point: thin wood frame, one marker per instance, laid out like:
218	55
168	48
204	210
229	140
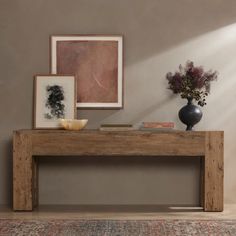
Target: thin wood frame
35	126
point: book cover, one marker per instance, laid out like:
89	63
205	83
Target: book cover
158	129
158	124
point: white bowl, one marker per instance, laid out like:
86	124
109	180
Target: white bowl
73	124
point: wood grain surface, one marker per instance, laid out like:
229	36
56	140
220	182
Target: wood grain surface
30	143
121	143
214	171
22	171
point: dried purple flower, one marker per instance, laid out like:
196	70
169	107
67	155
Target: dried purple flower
191	82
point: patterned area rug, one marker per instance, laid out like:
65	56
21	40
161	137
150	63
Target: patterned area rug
117	227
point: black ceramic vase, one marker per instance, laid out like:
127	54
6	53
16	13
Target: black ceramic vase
190	114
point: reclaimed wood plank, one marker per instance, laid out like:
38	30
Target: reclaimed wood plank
22	172
118	143
214	171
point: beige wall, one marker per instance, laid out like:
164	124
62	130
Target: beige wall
159	34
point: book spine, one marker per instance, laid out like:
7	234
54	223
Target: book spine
116	125
116	128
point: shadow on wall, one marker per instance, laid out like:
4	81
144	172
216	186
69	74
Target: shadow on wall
158	36
6	171
119	180
149	27
149	110
159	29
147	99
146	96
154	32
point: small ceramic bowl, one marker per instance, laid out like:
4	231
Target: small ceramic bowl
73	124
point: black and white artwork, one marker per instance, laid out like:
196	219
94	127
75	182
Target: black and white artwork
54	100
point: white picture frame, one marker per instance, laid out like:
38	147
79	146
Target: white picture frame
90	94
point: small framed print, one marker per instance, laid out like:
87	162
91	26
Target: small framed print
96	62
54	99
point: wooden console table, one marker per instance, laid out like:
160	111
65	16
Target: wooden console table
30	143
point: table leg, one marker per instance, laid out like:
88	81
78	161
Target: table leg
213	172
22	172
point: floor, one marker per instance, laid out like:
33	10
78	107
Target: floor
118	212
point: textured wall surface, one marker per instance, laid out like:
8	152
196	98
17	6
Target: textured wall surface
159	35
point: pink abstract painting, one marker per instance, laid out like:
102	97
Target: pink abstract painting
95	66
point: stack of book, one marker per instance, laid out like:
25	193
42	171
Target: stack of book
116	127
157	126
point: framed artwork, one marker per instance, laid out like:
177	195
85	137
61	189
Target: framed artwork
96	62
54	99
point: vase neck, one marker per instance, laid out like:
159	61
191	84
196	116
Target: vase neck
190	100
